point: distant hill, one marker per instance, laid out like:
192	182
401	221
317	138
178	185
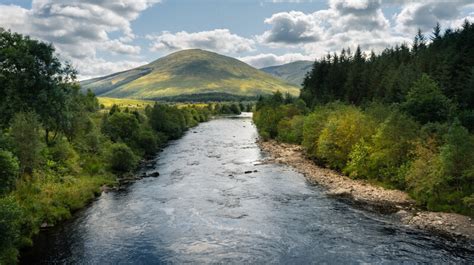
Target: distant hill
293	73
189	74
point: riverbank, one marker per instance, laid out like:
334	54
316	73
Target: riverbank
368	196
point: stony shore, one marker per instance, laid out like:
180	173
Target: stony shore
368	196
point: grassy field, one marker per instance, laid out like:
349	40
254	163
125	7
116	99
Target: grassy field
124	102
139	104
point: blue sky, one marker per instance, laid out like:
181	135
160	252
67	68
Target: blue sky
103	36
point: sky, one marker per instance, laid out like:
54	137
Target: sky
100	37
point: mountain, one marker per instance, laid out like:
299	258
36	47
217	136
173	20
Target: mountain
293	73
189	74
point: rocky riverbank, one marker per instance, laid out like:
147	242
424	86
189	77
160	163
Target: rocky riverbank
368	196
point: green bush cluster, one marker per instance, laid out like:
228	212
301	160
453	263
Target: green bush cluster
383	144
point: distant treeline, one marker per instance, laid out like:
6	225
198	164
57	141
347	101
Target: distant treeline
401	119
57	147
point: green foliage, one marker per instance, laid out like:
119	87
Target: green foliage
33	79
121	126
344	128
9	169
148	141
312	127
266	120
10	225
168	120
25	133
426	102
382	156
121	158
63	157
291	130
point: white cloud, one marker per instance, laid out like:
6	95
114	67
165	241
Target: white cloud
425	15
218	40
348	23
291	27
270	59
79	29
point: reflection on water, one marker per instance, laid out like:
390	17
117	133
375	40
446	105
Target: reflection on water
204	209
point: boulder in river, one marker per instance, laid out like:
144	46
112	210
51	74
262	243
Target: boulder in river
154	174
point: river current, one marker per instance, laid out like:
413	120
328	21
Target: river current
204	208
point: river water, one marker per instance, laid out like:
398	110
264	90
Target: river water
204	209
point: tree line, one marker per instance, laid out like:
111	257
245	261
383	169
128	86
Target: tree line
401	119
58	147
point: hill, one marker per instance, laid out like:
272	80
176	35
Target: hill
189	74
293	73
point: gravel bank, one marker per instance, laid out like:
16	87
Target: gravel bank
369	196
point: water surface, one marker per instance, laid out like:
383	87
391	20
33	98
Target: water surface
204	209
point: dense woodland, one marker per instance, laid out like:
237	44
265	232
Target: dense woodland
402	119
58	146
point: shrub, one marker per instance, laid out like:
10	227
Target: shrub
442	178
147	141
291	130
121	126
312	126
9	169
121	158
10	230
382	156
65	157
344	128
266	119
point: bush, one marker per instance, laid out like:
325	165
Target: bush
291	130
121	158
10	233
312	126
9	169
344	128
147	141
382	156
65	157
442	178
266	119
121	126
168	120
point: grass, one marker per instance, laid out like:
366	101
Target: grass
124	102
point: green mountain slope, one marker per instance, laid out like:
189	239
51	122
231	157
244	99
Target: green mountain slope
293	73
188	72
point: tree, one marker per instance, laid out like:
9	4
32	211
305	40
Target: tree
25	132
436	32
426	102
32	78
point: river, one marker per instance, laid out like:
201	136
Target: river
204	209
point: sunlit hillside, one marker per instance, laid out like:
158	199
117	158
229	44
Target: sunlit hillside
189	72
